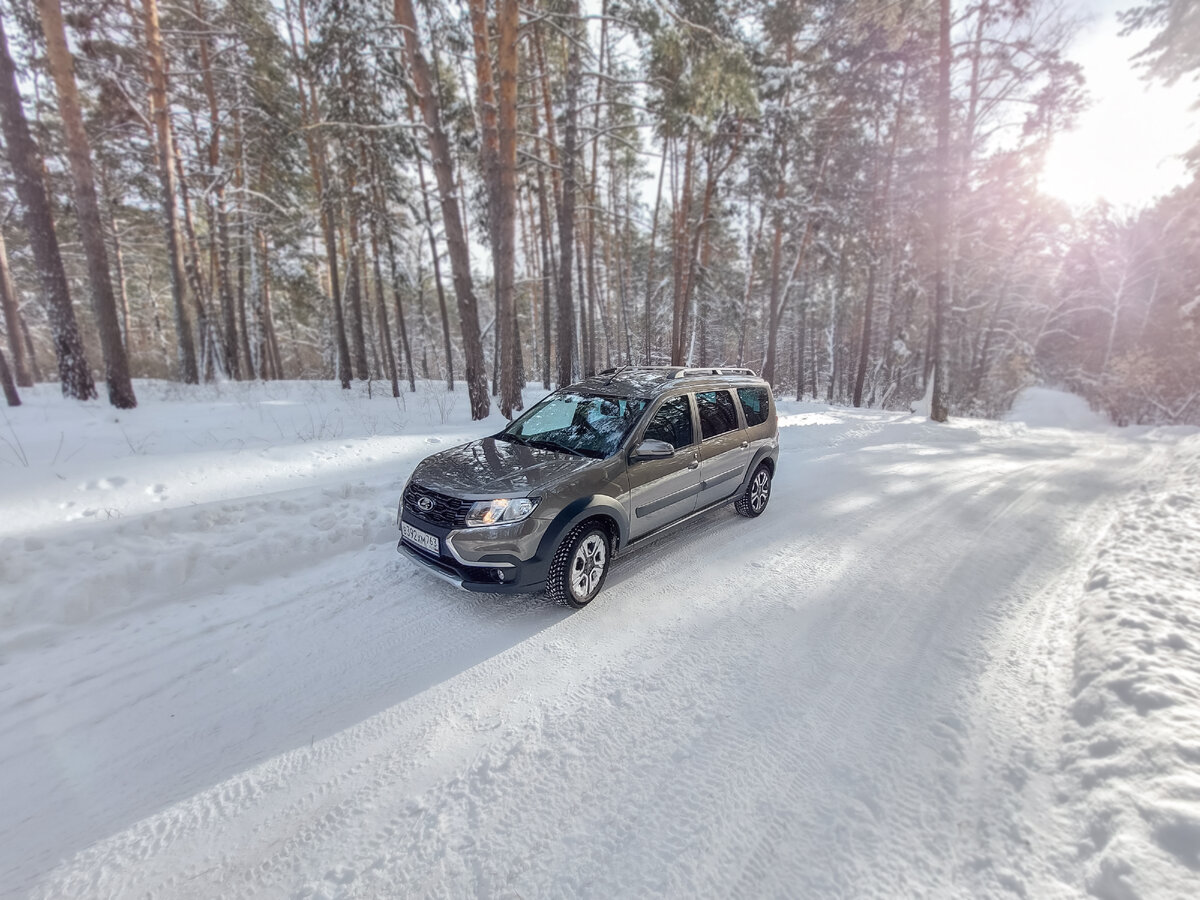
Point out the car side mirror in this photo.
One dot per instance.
(652, 449)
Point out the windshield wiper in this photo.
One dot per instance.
(561, 448)
(515, 438)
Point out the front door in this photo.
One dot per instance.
(663, 490)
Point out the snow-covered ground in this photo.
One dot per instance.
(949, 661)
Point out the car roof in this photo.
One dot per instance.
(654, 381)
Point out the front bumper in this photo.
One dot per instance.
(497, 572)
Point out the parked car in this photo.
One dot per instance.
(588, 473)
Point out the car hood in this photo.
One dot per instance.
(490, 468)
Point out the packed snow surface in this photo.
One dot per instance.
(952, 660)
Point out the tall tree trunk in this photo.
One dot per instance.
(566, 222)
(774, 302)
(751, 256)
(505, 250)
(160, 112)
(381, 310)
(713, 172)
(582, 324)
(268, 347)
(87, 207)
(683, 215)
(533, 269)
(548, 109)
(29, 349)
(27, 168)
(547, 253)
(803, 323)
(239, 175)
(12, 321)
(662, 170)
(395, 273)
(320, 175)
(118, 263)
(498, 147)
(437, 276)
(209, 347)
(625, 262)
(354, 292)
(216, 201)
(879, 205)
(460, 262)
(353, 255)
(939, 407)
(860, 375)
(592, 298)
(489, 127)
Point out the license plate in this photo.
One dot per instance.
(422, 539)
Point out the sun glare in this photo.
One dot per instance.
(1126, 147)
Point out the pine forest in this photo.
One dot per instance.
(843, 195)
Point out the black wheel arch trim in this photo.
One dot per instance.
(578, 511)
(764, 454)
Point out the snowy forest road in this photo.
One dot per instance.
(858, 694)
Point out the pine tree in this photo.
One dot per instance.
(27, 168)
(87, 205)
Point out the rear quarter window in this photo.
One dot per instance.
(756, 404)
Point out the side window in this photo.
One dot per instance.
(756, 404)
(672, 423)
(717, 413)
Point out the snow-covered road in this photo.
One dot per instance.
(859, 694)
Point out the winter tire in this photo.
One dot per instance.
(580, 565)
(754, 499)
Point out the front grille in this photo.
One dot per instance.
(447, 511)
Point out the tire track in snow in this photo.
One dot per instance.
(665, 802)
(564, 780)
(665, 562)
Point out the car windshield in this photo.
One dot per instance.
(580, 424)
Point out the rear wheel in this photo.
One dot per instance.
(754, 499)
(580, 565)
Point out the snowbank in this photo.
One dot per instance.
(201, 486)
(1132, 745)
(1043, 407)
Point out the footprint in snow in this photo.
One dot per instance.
(341, 875)
(104, 484)
(433, 440)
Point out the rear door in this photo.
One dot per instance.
(724, 448)
(663, 490)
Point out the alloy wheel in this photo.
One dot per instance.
(760, 490)
(587, 565)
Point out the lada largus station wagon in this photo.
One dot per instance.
(586, 474)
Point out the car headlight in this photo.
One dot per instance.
(496, 512)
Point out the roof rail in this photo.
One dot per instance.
(636, 368)
(680, 371)
(718, 370)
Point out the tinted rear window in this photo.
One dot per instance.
(756, 404)
(717, 413)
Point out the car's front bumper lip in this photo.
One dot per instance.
(472, 575)
(435, 567)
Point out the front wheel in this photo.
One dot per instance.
(754, 499)
(579, 566)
